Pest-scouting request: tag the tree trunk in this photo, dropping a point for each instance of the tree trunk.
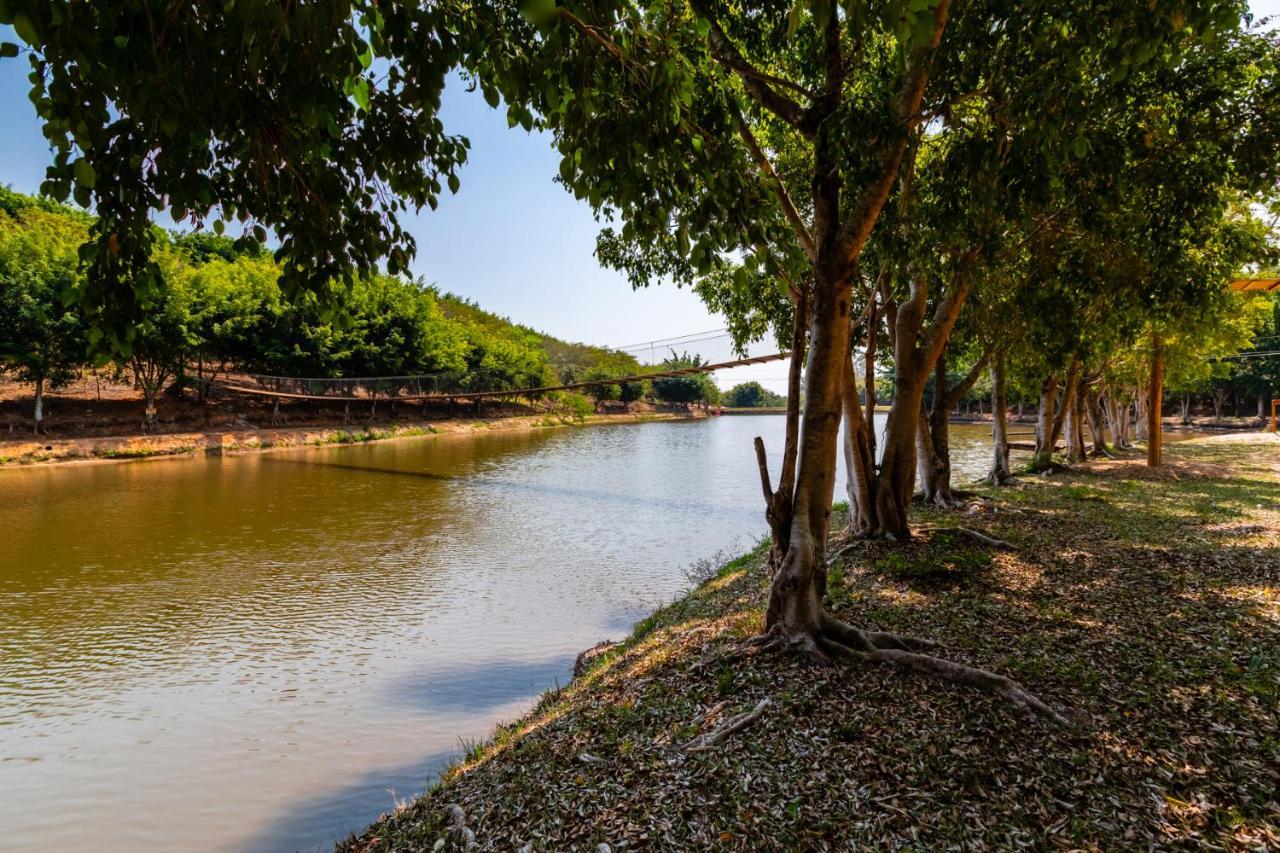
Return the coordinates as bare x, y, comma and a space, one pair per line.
1000, 473
1043, 453
1065, 407
795, 607
39, 413
1155, 397
933, 444
869, 376
149, 398
1074, 424
933, 457
1094, 409
859, 460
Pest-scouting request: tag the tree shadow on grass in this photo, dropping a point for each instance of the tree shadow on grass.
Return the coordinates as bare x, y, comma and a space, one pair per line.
1149, 610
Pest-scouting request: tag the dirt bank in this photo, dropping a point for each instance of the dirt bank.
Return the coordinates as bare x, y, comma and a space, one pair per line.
46, 450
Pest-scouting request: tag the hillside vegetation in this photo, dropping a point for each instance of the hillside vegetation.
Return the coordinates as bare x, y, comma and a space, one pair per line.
220, 308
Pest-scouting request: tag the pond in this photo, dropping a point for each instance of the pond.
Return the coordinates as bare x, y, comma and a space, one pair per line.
265, 652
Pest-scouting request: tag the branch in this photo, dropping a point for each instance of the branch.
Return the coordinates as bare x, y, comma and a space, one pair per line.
788, 206
762, 462
857, 227
975, 535
947, 311
955, 392
728, 727
592, 33
756, 82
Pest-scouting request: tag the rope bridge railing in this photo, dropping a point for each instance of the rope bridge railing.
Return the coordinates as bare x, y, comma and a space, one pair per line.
441, 386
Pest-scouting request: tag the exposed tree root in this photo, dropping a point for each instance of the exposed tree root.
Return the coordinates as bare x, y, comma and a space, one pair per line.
999, 478
839, 639
971, 677
733, 724
990, 541
852, 546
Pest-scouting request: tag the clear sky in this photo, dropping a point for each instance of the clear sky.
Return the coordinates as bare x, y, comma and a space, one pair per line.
512, 240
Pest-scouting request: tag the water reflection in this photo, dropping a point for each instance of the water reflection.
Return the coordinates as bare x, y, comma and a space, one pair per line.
247, 652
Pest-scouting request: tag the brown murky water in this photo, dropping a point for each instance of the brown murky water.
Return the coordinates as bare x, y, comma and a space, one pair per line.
264, 652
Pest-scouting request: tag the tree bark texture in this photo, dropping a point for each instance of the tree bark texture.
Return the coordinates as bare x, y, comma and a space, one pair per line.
1000, 473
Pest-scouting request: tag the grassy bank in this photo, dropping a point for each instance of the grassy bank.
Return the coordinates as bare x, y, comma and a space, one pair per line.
1145, 606
218, 442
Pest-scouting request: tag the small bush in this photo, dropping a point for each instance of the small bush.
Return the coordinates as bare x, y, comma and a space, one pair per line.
578, 406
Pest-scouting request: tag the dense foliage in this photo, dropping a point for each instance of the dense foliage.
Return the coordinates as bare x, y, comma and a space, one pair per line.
689, 388
752, 395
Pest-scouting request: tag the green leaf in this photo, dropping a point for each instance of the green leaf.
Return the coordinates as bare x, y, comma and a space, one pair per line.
453, 183
26, 29
360, 91
8, 49
85, 174
218, 227
540, 12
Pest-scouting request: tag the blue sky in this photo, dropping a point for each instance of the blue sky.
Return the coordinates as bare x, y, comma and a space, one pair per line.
512, 240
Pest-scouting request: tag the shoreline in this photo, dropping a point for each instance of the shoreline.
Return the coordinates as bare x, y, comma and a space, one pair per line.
33, 452
617, 741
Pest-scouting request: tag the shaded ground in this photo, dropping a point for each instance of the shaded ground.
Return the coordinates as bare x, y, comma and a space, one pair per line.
1148, 610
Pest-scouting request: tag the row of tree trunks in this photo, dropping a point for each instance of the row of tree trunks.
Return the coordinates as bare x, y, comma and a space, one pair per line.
879, 496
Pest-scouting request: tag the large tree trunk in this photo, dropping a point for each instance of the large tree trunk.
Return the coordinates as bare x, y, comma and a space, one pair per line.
39, 412
795, 599
1000, 473
914, 356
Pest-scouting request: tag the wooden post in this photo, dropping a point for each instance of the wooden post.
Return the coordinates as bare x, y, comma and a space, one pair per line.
1155, 393
1275, 404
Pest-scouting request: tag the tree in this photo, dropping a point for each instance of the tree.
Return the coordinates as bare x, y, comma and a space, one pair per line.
752, 395
291, 118
692, 387
604, 390
629, 392
41, 339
